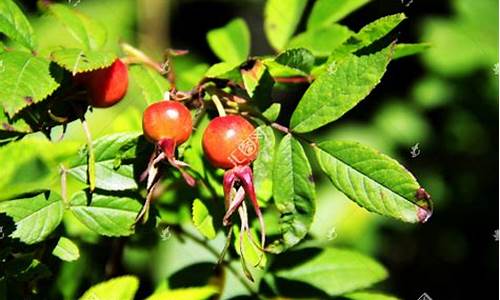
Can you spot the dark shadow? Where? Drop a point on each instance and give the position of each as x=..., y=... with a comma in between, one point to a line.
x=194, y=275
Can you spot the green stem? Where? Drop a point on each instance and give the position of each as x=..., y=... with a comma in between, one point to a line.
x=219, y=106
x=91, y=156
x=64, y=186
x=137, y=56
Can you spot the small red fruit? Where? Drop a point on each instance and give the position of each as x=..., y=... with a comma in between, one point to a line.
x=167, y=120
x=168, y=124
x=230, y=141
x=106, y=86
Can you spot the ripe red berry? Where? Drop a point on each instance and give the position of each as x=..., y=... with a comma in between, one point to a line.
x=230, y=141
x=106, y=86
x=167, y=120
x=168, y=124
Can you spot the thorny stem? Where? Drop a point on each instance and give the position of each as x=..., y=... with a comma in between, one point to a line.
x=224, y=263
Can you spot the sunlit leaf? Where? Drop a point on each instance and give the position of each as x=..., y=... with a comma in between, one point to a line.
x=322, y=41
x=298, y=58
x=339, y=89
x=203, y=220
x=106, y=215
x=193, y=293
x=153, y=86
x=281, y=19
x=261, y=166
x=336, y=271
x=72, y=22
x=35, y=217
x=89, y=33
x=254, y=256
x=326, y=12
x=403, y=50
x=231, y=43
x=113, y=169
x=78, y=61
x=273, y=112
x=15, y=25
x=373, y=32
x=30, y=165
x=66, y=250
x=118, y=288
x=374, y=181
x=25, y=80
x=294, y=194
x=369, y=296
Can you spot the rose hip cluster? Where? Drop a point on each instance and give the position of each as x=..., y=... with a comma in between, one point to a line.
x=229, y=142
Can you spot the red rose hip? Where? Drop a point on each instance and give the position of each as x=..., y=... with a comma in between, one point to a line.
x=230, y=141
x=106, y=86
x=167, y=120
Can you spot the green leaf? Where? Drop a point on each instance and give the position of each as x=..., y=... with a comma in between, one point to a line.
x=118, y=288
x=30, y=165
x=72, y=22
x=279, y=70
x=231, y=43
x=15, y=25
x=25, y=80
x=281, y=19
x=337, y=271
x=96, y=31
x=299, y=58
x=225, y=70
x=402, y=50
x=326, y=12
x=273, y=112
x=35, y=217
x=13, y=127
x=113, y=155
x=106, y=215
x=294, y=194
x=203, y=220
x=254, y=256
x=192, y=293
x=88, y=33
x=262, y=165
x=373, y=32
x=153, y=86
x=322, y=41
x=369, y=296
x=78, y=60
x=257, y=81
x=66, y=250
x=373, y=180
x=339, y=89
